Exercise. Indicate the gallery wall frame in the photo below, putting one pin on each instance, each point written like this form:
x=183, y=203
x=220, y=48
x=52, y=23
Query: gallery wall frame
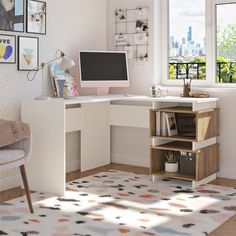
x=7, y=49
x=28, y=53
x=12, y=15
x=36, y=17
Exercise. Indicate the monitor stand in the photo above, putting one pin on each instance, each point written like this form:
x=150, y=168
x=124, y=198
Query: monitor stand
x=102, y=91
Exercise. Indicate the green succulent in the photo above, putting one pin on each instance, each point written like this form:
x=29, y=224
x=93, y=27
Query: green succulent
x=172, y=157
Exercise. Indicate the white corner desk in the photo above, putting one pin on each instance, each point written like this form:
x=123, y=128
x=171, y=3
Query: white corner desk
x=91, y=115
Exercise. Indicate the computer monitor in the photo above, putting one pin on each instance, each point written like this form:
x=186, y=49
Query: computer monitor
x=103, y=70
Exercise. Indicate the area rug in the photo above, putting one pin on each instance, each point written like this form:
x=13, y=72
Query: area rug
x=121, y=203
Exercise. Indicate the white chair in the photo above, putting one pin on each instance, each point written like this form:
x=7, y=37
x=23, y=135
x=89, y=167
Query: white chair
x=16, y=155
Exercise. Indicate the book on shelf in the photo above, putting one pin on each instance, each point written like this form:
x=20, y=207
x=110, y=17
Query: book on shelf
x=171, y=124
x=158, y=121
x=163, y=124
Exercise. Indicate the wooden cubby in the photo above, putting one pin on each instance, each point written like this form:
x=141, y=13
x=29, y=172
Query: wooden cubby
x=207, y=160
x=206, y=123
x=203, y=126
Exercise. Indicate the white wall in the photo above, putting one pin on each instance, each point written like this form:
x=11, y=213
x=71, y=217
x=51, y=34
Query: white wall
x=141, y=76
x=71, y=25
x=129, y=145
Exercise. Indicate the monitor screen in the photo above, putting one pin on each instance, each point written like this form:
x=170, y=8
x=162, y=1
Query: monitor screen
x=103, y=66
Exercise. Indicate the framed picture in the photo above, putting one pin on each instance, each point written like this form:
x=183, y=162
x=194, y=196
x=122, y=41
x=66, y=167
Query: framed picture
x=12, y=15
x=28, y=53
x=36, y=17
x=7, y=49
x=171, y=124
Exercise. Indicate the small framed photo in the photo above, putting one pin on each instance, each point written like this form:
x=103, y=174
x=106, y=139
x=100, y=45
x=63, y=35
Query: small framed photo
x=36, y=17
x=12, y=15
x=171, y=124
x=28, y=53
x=7, y=49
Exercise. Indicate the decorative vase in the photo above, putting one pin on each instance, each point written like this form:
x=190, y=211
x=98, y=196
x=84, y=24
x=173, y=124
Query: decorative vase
x=171, y=167
x=186, y=90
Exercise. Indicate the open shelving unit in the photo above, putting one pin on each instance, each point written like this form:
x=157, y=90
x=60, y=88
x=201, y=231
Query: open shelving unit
x=201, y=146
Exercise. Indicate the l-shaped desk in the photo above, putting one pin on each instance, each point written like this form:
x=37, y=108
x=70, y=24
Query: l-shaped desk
x=91, y=115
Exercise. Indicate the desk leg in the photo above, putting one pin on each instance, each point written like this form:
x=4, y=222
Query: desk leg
x=46, y=168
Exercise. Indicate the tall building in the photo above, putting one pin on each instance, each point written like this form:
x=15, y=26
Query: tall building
x=189, y=35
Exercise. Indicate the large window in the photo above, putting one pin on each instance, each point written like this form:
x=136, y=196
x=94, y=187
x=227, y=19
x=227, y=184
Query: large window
x=226, y=43
x=187, y=39
x=198, y=41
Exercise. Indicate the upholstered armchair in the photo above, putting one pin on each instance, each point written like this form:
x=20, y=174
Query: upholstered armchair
x=14, y=156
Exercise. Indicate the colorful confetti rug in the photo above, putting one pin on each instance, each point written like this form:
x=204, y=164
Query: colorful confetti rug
x=120, y=203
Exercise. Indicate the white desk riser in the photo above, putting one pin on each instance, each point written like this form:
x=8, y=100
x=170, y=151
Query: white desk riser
x=92, y=116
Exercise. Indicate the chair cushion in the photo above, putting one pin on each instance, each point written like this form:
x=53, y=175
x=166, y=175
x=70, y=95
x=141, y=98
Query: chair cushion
x=10, y=155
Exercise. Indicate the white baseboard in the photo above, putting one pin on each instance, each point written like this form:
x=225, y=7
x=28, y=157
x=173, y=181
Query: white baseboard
x=130, y=160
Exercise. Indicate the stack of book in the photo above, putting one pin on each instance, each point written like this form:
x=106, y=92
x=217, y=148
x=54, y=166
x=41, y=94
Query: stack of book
x=166, y=124
x=61, y=77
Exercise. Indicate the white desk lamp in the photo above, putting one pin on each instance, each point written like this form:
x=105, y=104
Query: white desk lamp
x=65, y=64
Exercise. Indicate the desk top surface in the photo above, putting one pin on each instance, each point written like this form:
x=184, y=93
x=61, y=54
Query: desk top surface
x=132, y=98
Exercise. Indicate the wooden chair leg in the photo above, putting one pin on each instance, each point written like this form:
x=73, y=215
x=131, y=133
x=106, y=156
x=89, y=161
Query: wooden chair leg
x=26, y=186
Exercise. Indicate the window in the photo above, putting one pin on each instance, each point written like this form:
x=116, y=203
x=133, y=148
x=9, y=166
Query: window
x=198, y=41
x=226, y=43
x=187, y=39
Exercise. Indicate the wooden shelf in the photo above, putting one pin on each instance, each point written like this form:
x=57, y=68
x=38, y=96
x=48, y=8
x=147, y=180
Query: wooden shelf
x=178, y=109
x=181, y=109
x=173, y=175
x=177, y=138
x=176, y=146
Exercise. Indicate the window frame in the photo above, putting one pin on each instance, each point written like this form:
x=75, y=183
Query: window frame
x=162, y=37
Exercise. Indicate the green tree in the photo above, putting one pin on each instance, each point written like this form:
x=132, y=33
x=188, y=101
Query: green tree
x=226, y=51
x=226, y=41
x=172, y=71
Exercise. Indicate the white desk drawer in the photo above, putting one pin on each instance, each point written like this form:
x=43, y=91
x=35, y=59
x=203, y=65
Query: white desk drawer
x=74, y=119
x=129, y=116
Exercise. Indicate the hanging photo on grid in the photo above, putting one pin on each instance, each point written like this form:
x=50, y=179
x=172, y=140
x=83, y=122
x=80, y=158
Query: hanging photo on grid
x=130, y=51
x=120, y=15
x=141, y=38
x=142, y=13
x=121, y=39
x=141, y=26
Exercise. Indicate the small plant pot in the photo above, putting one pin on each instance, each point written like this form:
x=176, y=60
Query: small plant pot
x=171, y=167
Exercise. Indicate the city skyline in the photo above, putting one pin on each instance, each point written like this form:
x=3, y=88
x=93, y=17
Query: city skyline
x=186, y=47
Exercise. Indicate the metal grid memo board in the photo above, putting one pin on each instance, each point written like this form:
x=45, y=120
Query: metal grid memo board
x=128, y=27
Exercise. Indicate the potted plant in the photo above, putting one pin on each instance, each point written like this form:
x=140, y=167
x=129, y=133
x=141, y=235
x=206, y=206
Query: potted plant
x=172, y=162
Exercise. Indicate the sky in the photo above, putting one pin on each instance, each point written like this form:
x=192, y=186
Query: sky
x=192, y=13
x=184, y=14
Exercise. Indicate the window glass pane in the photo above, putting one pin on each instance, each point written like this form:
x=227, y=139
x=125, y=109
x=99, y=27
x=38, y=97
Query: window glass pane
x=187, y=41
x=226, y=43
